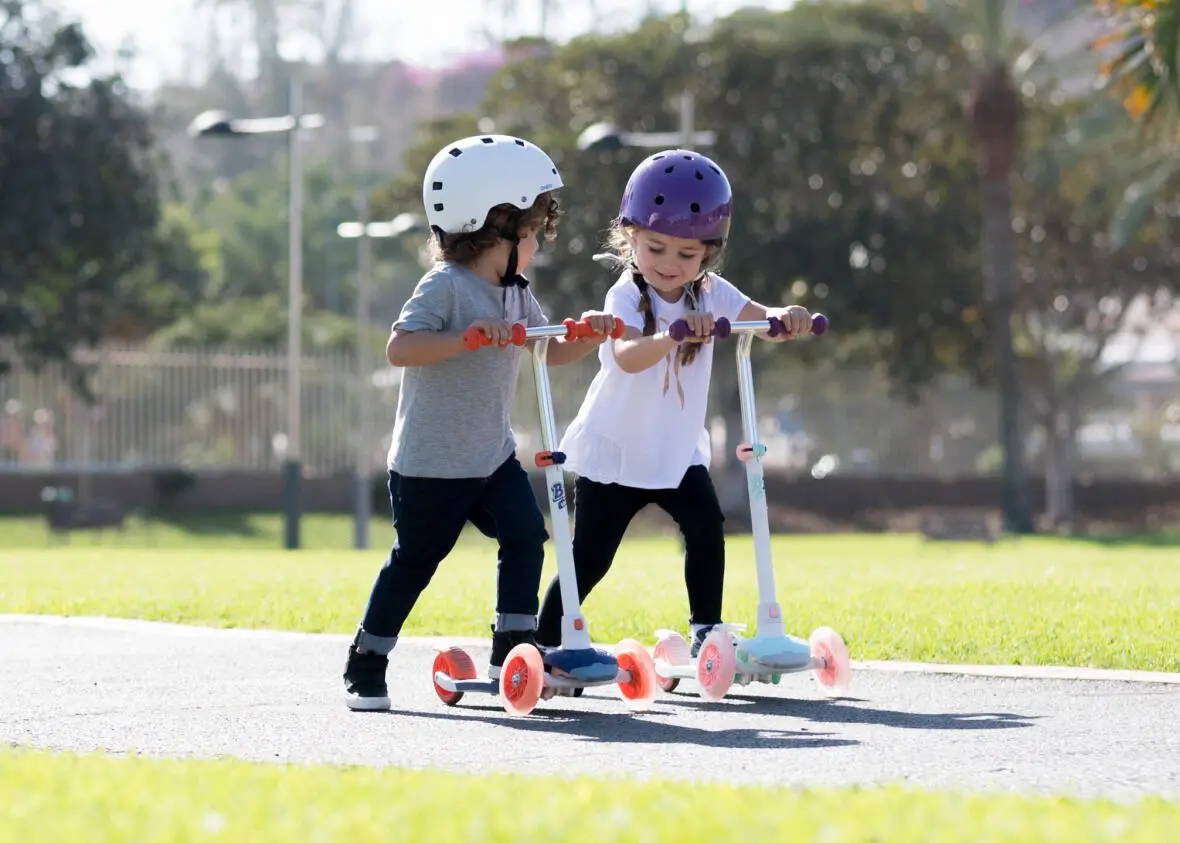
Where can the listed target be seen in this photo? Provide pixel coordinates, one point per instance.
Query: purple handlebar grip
(679, 329)
(819, 324)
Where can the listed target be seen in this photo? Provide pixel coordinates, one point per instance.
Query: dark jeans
(602, 513)
(430, 513)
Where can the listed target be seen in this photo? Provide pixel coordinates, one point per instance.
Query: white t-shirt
(645, 429)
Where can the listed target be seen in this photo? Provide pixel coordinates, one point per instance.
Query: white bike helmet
(469, 177)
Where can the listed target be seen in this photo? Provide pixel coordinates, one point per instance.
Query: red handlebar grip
(577, 329)
(473, 338)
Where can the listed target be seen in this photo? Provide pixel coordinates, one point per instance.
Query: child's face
(527, 248)
(667, 263)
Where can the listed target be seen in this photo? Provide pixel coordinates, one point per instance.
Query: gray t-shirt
(453, 418)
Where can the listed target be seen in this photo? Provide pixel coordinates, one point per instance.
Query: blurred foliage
(840, 126)
(78, 173)
(841, 132)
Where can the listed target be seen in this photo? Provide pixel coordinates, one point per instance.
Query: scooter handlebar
(571, 329)
(722, 327)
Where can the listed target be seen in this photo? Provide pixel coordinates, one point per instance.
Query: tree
(78, 170)
(1143, 42)
(846, 150)
(1077, 291)
(1146, 66)
(1002, 63)
(182, 265)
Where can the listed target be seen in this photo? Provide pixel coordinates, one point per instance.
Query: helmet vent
(436, 186)
(659, 200)
(700, 177)
(695, 208)
(455, 152)
(438, 206)
(488, 140)
(669, 169)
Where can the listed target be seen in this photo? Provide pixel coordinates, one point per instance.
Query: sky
(159, 28)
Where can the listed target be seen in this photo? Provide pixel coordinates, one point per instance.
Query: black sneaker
(503, 642)
(364, 681)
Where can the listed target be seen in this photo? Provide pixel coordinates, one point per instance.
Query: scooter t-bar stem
(722, 327)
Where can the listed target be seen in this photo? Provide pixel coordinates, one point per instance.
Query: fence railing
(213, 409)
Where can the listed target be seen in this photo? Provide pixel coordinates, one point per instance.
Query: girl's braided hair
(622, 253)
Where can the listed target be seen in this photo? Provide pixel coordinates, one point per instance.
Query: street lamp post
(361, 137)
(364, 232)
(222, 124)
(607, 136)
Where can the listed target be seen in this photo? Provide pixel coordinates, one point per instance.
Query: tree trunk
(995, 110)
(999, 271)
(1061, 427)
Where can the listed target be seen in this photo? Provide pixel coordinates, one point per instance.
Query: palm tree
(1145, 72)
(994, 106)
(1147, 33)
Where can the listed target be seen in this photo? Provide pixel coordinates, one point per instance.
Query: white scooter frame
(726, 658)
(524, 679)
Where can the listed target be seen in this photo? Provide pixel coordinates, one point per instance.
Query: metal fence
(213, 409)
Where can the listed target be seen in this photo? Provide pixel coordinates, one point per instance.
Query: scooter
(528, 674)
(726, 658)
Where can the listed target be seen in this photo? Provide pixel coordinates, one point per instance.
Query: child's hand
(700, 324)
(500, 333)
(601, 323)
(796, 319)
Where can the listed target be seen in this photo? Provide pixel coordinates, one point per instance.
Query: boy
(452, 458)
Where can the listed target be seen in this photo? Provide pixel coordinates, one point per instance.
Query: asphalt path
(277, 697)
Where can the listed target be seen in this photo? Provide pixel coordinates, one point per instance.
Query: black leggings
(602, 513)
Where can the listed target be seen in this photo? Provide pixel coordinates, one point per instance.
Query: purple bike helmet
(679, 193)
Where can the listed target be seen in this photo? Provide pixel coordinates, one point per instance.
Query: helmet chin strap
(512, 278)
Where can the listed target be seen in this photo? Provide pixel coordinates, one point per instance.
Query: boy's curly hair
(618, 240)
(465, 249)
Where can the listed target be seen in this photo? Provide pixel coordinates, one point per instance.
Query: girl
(639, 437)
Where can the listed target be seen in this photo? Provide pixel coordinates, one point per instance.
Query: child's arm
(565, 351)
(795, 318)
(422, 348)
(422, 335)
(634, 352)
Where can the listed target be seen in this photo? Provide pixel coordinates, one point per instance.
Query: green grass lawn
(67, 797)
(1035, 601)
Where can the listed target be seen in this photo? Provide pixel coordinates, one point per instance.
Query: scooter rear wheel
(455, 663)
(673, 649)
(639, 690)
(835, 675)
